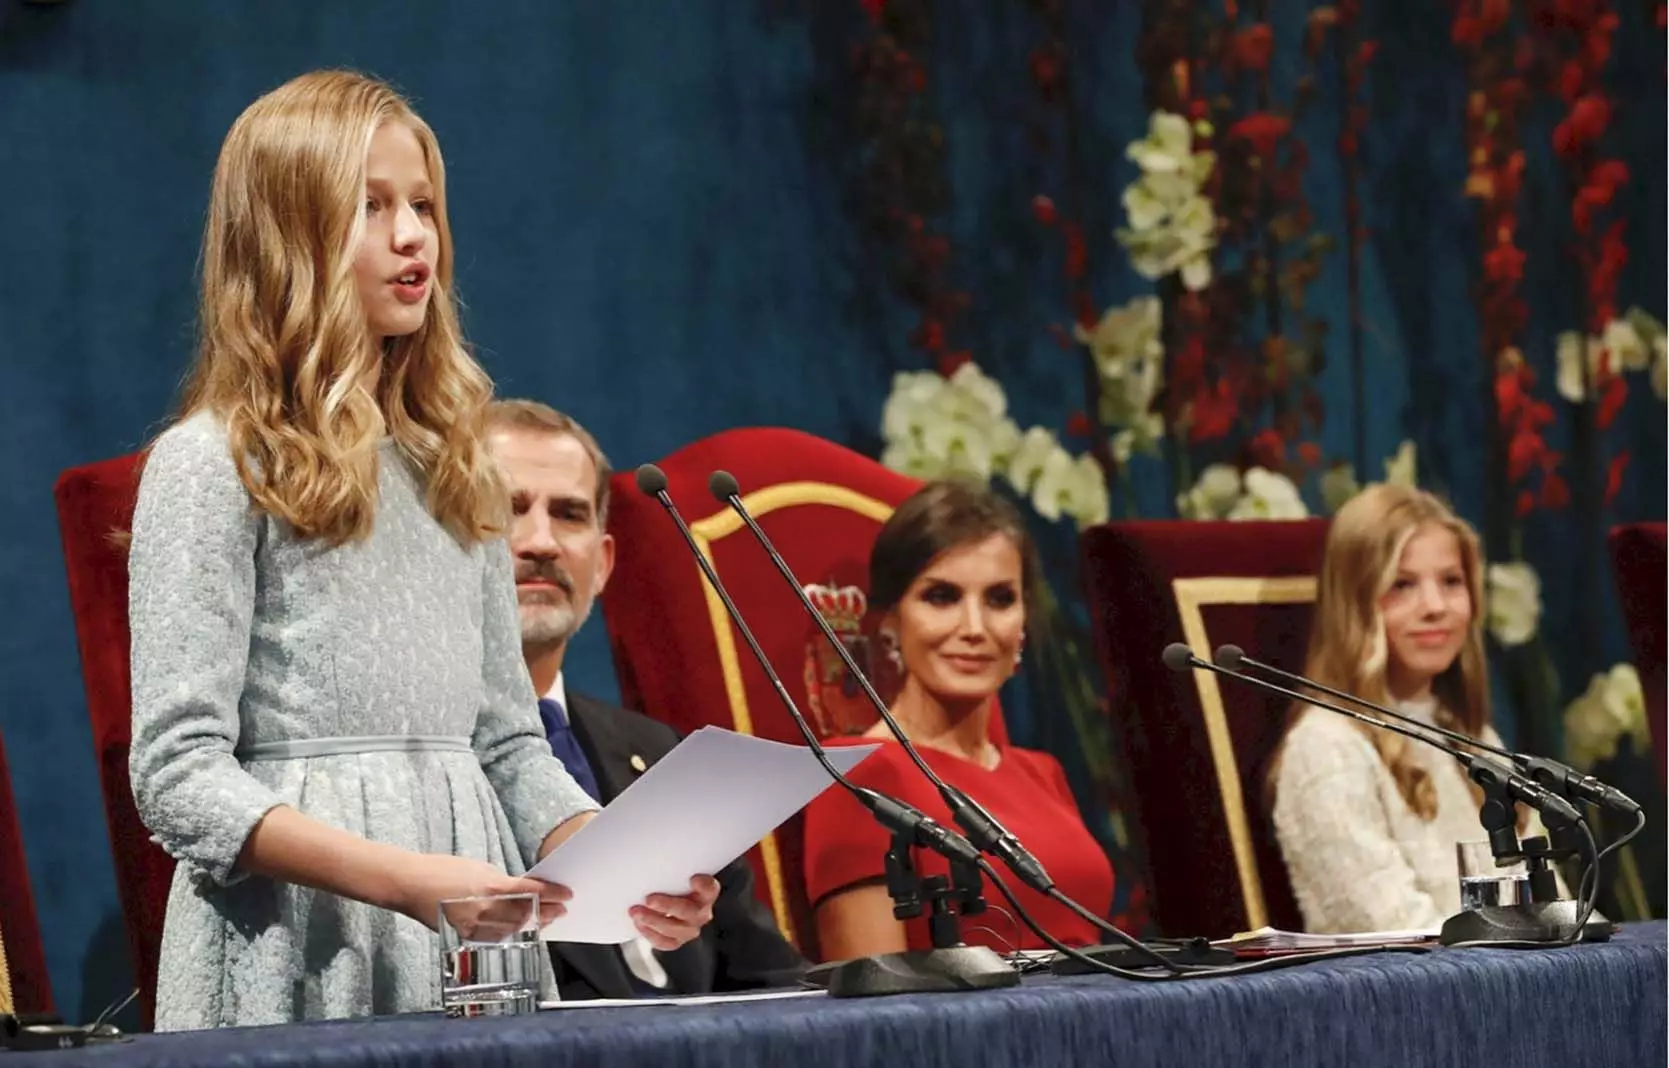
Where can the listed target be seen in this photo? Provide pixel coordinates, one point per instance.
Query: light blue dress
(376, 686)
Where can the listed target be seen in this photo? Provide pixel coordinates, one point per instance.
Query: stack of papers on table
(676, 1001)
(1269, 940)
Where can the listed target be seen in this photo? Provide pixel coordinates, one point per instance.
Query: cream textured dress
(377, 686)
(1359, 858)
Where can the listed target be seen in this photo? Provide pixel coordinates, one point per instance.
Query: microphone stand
(1546, 771)
(950, 965)
(982, 829)
(1538, 923)
(1550, 774)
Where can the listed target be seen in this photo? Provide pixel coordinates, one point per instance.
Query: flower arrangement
(933, 427)
(1513, 592)
(1589, 366)
(1606, 719)
(1611, 709)
(1172, 224)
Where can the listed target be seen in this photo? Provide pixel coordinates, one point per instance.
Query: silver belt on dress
(302, 748)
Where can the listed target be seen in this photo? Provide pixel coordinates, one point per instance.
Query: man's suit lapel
(614, 761)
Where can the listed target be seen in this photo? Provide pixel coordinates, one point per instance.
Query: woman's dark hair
(944, 515)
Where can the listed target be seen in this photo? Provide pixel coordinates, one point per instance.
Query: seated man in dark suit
(558, 479)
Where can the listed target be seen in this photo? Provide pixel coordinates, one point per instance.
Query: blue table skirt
(1599, 1005)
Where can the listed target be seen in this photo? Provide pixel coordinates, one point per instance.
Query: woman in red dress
(951, 572)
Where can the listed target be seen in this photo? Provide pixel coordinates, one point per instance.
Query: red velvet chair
(1640, 563)
(1198, 750)
(680, 659)
(24, 985)
(93, 502)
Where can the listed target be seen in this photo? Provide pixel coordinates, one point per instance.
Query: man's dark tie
(567, 747)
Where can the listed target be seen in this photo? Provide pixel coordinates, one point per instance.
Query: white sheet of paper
(700, 807)
(1272, 938)
(674, 1002)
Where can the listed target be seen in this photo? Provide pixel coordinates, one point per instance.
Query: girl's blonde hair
(1348, 647)
(285, 357)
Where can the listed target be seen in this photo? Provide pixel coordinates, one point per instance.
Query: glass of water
(489, 955)
(1486, 882)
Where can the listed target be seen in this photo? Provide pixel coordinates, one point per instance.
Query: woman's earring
(1019, 654)
(889, 643)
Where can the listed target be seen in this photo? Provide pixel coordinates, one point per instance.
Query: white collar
(558, 693)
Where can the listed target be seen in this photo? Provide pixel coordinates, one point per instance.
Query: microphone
(1550, 774)
(1495, 778)
(651, 480)
(982, 828)
(946, 967)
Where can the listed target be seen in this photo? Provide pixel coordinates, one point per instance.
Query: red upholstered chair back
(1640, 561)
(24, 986)
(1199, 750)
(94, 501)
(680, 659)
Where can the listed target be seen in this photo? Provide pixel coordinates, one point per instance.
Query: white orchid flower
(1142, 435)
(1569, 350)
(964, 447)
(1087, 503)
(1075, 488)
(1054, 484)
(979, 392)
(1144, 205)
(909, 458)
(1338, 485)
(1029, 458)
(912, 396)
(1196, 272)
(1183, 244)
(1514, 595)
(1650, 331)
(1627, 348)
(1126, 398)
(1269, 495)
(1402, 468)
(1211, 497)
(1172, 227)
(1167, 146)
(1004, 440)
(1126, 332)
(1614, 705)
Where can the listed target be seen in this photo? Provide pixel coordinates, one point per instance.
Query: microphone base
(922, 971)
(1542, 921)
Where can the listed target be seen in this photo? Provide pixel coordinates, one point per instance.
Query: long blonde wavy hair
(285, 356)
(1348, 647)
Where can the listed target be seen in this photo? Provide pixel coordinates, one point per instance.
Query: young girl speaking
(332, 726)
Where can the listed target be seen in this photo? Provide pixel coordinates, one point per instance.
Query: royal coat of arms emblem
(838, 705)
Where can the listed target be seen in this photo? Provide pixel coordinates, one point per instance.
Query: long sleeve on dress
(191, 595)
(537, 793)
(1348, 871)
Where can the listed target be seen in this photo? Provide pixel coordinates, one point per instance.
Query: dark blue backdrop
(647, 204)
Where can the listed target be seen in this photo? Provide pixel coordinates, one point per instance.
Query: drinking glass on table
(1485, 882)
(489, 955)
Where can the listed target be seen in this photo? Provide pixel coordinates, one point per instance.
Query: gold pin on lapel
(638, 765)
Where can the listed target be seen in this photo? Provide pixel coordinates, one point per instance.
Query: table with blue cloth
(1601, 1005)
